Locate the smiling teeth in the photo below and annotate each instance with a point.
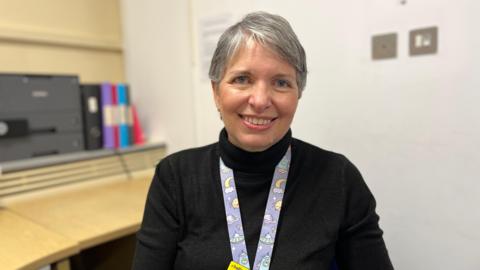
(257, 121)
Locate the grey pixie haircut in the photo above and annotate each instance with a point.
(269, 30)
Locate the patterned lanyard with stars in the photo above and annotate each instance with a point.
(270, 219)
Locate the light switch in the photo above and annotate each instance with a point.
(384, 46)
(424, 41)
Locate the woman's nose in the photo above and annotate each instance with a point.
(260, 97)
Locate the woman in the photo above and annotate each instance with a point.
(259, 198)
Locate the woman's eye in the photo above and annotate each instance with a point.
(282, 83)
(240, 80)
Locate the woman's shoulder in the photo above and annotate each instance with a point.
(193, 152)
(308, 150)
(189, 158)
(315, 158)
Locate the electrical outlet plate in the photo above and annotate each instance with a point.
(384, 46)
(423, 41)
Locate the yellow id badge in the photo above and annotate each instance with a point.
(236, 266)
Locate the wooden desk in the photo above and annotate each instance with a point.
(27, 245)
(59, 206)
(90, 215)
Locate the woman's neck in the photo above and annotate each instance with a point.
(252, 162)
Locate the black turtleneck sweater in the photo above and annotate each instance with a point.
(328, 213)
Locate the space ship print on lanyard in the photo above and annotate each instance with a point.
(270, 220)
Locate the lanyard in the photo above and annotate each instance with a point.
(270, 220)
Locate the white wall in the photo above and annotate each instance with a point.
(157, 44)
(410, 124)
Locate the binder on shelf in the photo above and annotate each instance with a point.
(115, 118)
(123, 126)
(92, 115)
(108, 116)
(130, 116)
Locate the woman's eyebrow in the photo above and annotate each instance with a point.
(284, 75)
(239, 72)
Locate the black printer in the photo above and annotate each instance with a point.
(39, 115)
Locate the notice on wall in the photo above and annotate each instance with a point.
(209, 30)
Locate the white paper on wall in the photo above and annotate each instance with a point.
(210, 28)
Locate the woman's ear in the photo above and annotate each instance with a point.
(215, 94)
(216, 98)
(214, 85)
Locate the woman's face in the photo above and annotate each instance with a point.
(257, 97)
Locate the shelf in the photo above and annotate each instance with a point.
(25, 164)
(33, 35)
(43, 172)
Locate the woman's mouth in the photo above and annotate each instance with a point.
(257, 122)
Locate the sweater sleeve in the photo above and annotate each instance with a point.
(157, 238)
(360, 245)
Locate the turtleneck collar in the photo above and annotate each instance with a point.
(252, 162)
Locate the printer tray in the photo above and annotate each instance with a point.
(40, 145)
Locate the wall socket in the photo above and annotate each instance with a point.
(384, 46)
(423, 41)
